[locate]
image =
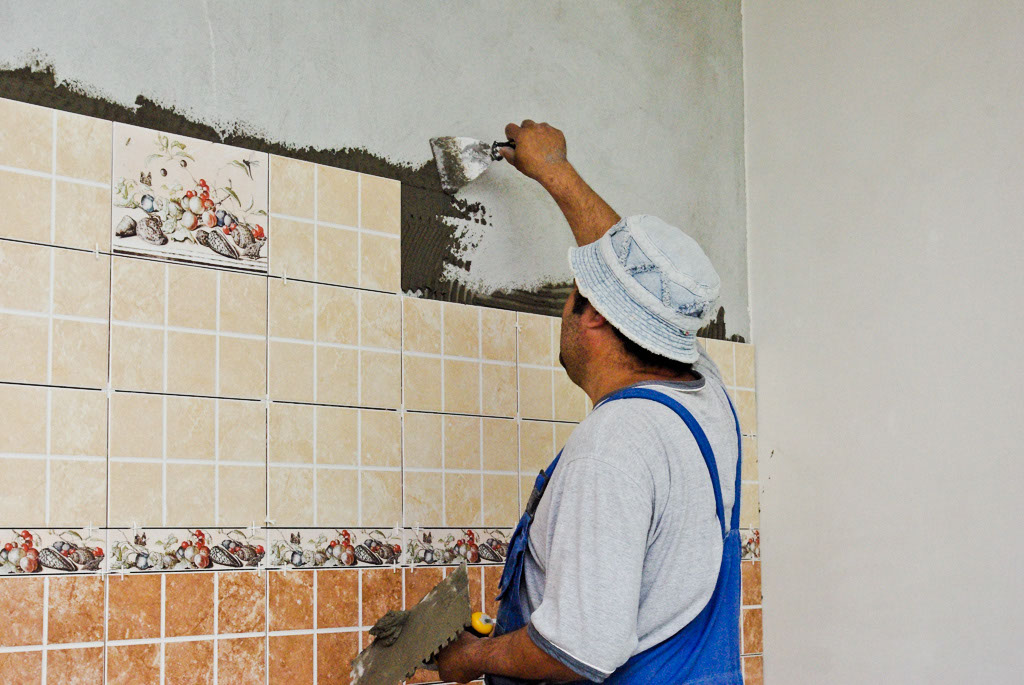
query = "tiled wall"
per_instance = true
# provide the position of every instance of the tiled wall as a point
(227, 474)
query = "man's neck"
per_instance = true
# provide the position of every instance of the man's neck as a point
(611, 378)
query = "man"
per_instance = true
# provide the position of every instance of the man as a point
(625, 568)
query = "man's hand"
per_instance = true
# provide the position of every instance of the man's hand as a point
(539, 152)
(455, 662)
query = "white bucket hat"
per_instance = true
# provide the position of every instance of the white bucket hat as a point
(652, 282)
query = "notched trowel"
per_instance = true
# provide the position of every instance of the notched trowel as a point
(405, 641)
(460, 160)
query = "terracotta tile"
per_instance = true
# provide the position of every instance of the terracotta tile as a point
(133, 664)
(241, 661)
(337, 598)
(83, 666)
(752, 638)
(241, 605)
(334, 654)
(291, 659)
(492, 576)
(382, 592)
(27, 665)
(21, 598)
(753, 670)
(751, 571)
(291, 601)
(188, 663)
(419, 582)
(476, 575)
(189, 604)
(75, 609)
(134, 607)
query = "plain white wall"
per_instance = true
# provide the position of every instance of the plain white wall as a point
(885, 152)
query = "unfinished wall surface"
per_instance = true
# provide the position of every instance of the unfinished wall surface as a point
(650, 97)
(884, 172)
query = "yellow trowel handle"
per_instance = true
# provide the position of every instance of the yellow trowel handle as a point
(481, 624)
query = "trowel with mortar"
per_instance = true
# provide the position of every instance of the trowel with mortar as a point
(405, 641)
(460, 160)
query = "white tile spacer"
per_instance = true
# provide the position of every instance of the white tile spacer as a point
(96, 251)
(261, 568)
(269, 521)
(253, 529)
(135, 528)
(284, 276)
(109, 390)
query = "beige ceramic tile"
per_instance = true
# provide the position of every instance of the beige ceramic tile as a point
(78, 420)
(191, 428)
(22, 419)
(337, 436)
(291, 433)
(500, 445)
(536, 446)
(337, 375)
(79, 355)
(23, 346)
(749, 459)
(746, 408)
(337, 497)
(291, 372)
(24, 505)
(535, 391)
(570, 400)
(25, 277)
(461, 386)
(242, 430)
(136, 358)
(501, 500)
(78, 493)
(535, 340)
(291, 496)
(138, 291)
(381, 384)
(381, 498)
(243, 303)
(337, 255)
(750, 506)
(462, 442)
(499, 335)
(243, 367)
(82, 216)
(192, 297)
(26, 136)
(422, 440)
(422, 322)
(83, 147)
(191, 363)
(562, 433)
(381, 434)
(191, 501)
(291, 309)
(292, 187)
(381, 200)
(242, 492)
(81, 284)
(337, 195)
(422, 381)
(27, 199)
(744, 365)
(721, 354)
(294, 251)
(136, 493)
(424, 499)
(136, 425)
(380, 320)
(461, 330)
(337, 316)
(499, 390)
(380, 263)
(462, 499)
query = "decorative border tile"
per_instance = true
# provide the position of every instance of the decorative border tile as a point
(185, 549)
(52, 551)
(334, 547)
(750, 542)
(430, 546)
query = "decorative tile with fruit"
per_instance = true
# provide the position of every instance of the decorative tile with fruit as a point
(334, 547)
(52, 551)
(751, 543)
(189, 200)
(455, 545)
(184, 549)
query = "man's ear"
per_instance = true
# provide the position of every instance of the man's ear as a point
(591, 318)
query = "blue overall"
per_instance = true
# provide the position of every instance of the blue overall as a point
(707, 649)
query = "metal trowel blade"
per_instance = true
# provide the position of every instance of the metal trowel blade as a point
(460, 160)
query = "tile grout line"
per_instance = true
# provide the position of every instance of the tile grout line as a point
(216, 627)
(216, 414)
(46, 625)
(163, 628)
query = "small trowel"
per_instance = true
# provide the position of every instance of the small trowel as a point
(460, 160)
(405, 641)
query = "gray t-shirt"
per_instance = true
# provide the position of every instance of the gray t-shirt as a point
(626, 545)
